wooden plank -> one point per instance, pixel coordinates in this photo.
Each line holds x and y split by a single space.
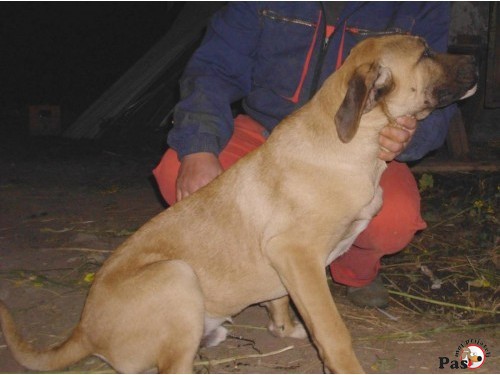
448 166
186 30
456 140
492 97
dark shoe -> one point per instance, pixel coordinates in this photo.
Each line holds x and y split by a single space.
371 295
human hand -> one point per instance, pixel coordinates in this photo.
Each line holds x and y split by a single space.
196 171
393 140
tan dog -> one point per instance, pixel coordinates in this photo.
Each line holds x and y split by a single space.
264 230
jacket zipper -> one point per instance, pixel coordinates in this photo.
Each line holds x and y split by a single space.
326 40
366 32
321 57
277 17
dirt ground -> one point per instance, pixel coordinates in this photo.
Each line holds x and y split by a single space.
59 220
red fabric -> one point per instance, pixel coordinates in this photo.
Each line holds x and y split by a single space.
329 31
389 232
296 95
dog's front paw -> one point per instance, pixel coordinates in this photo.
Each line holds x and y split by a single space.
295 330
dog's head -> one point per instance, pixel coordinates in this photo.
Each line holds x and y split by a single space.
402 75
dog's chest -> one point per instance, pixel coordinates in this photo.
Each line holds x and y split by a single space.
365 212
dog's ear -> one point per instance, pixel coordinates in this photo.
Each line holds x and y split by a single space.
368 84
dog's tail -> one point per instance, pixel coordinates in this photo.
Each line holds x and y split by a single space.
63 355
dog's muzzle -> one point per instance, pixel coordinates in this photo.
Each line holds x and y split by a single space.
462 77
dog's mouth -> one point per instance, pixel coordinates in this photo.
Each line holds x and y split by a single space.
461 76
445 95
470 92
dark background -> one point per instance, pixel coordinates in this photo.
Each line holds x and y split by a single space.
68 54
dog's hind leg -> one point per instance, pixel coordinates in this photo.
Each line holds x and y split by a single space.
281 322
154 318
185 319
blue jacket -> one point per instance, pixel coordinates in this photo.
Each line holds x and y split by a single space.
274 55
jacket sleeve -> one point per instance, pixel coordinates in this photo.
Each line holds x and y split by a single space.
432 23
218 74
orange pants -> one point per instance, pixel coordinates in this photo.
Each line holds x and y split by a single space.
389 232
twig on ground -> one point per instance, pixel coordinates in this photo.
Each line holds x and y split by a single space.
403 305
460 213
83 249
441 303
373 320
397 287
246 326
416 342
50 230
391 317
402 335
290 366
249 342
215 362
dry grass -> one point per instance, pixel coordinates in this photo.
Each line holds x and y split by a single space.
451 268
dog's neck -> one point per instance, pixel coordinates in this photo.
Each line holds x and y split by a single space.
364 148
318 132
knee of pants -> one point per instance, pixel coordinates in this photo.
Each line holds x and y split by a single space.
395 225
166 176
247 136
